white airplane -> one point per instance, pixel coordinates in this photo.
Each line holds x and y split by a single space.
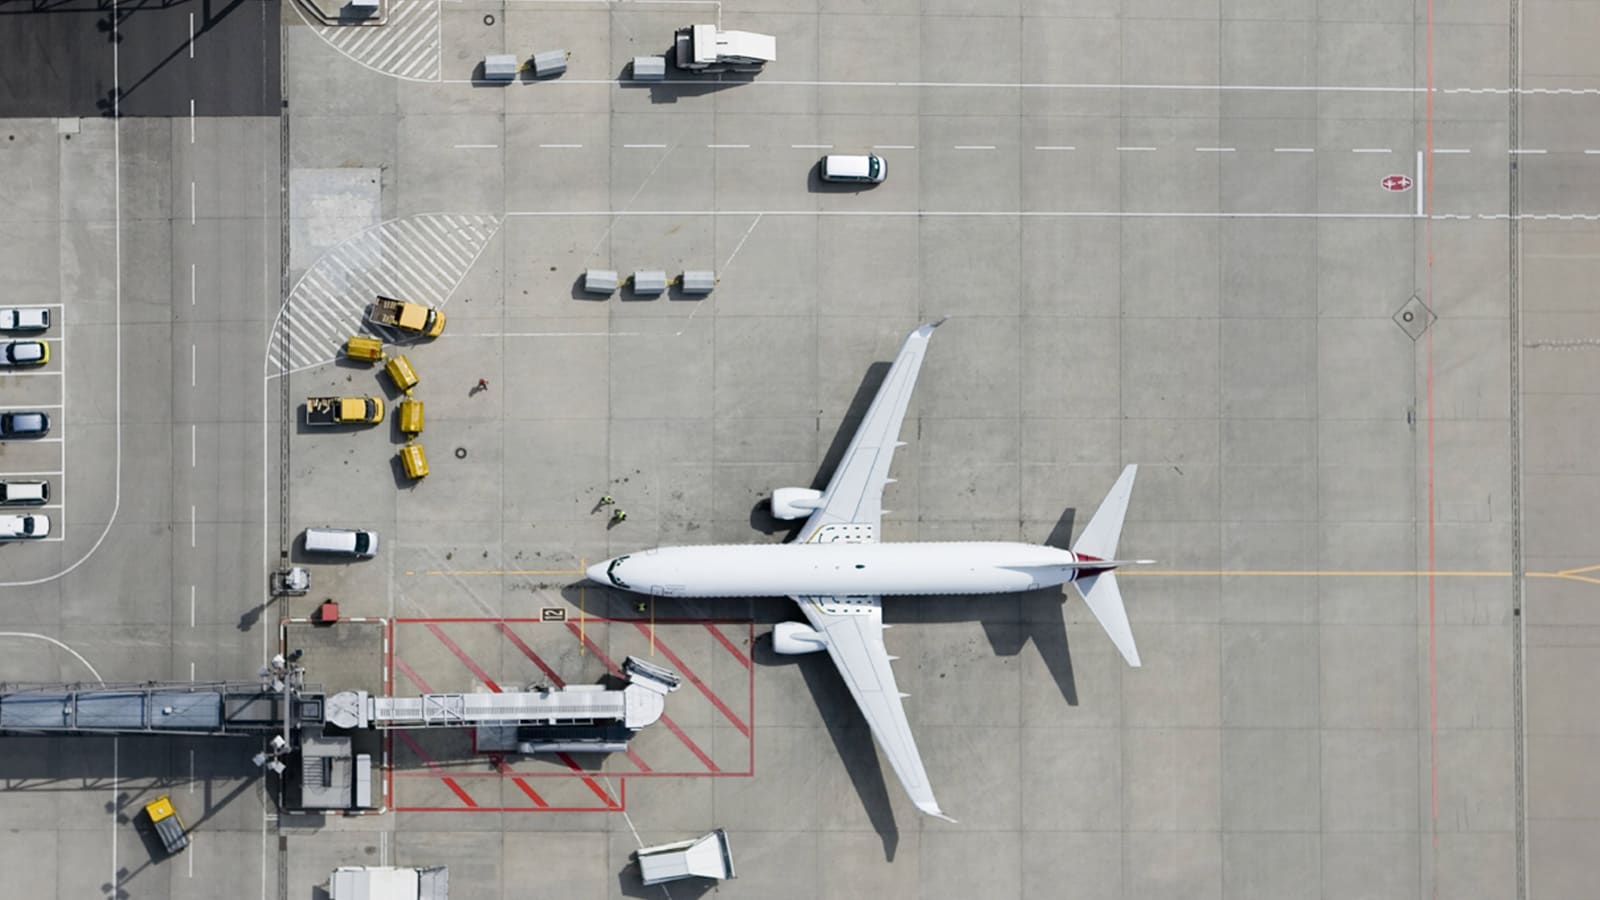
838 571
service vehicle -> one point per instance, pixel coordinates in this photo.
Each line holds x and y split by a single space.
413 461
356 542
25 527
400 372
344 410
707 49
406 316
31 493
24 318
167 823
363 348
410 417
24 424
25 353
867 169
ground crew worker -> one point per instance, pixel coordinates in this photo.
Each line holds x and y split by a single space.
483 384
606 500
620 515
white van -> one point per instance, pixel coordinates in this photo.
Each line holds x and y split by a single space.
869 169
33 493
360 544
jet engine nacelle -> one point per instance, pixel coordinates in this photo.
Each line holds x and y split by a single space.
794 503
793 639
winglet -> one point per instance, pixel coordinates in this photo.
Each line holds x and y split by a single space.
932 808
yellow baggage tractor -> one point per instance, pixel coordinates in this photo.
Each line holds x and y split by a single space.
411 417
169 827
401 373
366 349
414 461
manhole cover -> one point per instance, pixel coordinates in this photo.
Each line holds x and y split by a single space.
1414 317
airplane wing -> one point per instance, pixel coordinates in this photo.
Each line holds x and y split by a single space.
855 495
852 628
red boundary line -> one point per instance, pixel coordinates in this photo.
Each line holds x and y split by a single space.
686 620
695 679
723 640
665 719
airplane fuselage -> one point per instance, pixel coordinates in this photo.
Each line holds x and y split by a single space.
777 570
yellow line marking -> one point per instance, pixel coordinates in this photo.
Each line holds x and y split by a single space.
1565 575
467 572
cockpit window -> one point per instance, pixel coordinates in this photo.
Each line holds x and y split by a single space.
611 573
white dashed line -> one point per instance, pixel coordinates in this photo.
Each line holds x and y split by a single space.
811 146
1294 150
1214 149
1521 151
1054 147
1372 150
644 146
1451 150
1136 149
191 203
894 146
191 35
191 120
561 146
727 146
974 146
1591 152
191 284
477 146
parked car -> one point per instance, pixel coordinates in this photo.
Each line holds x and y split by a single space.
33 525
24 318
31 493
26 353
24 424
869 169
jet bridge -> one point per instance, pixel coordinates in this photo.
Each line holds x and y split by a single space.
635 706
153 707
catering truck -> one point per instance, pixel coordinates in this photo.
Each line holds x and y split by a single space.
406 316
709 49
344 410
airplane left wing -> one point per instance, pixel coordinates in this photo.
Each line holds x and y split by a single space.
854 496
852 628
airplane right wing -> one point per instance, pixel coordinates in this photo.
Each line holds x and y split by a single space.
852 629
855 494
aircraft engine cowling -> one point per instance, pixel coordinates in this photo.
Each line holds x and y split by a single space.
794 503
793 639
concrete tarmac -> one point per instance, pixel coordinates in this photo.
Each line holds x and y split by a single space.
1330 311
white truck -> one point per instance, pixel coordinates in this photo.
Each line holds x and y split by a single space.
709 49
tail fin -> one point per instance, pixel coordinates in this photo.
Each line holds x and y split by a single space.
1100 592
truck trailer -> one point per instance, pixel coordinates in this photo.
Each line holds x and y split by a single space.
708 49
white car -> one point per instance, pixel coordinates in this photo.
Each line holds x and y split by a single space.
24 318
869 169
32 493
33 525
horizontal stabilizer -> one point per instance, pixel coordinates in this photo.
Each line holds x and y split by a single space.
1104 599
1099 538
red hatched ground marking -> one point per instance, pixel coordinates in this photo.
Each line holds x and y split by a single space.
499 768
685 671
665 719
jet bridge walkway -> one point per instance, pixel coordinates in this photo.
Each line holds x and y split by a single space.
203 708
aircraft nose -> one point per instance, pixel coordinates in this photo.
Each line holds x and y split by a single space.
597 572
